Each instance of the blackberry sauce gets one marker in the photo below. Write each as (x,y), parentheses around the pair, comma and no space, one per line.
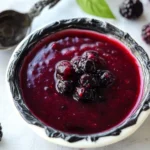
(61,112)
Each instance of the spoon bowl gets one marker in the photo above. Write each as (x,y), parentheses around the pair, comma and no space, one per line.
(14,26)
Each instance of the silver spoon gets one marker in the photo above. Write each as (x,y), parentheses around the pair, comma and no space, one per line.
(14,26)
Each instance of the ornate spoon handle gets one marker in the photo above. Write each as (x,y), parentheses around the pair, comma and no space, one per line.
(39,6)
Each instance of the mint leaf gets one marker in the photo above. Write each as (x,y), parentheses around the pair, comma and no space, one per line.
(96,7)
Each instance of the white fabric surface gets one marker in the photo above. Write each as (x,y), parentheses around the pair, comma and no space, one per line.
(17,135)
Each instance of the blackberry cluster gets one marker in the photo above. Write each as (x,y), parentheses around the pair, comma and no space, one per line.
(1,133)
(64,70)
(131,9)
(83,76)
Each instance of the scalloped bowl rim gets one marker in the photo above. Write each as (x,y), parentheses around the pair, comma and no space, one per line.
(102,141)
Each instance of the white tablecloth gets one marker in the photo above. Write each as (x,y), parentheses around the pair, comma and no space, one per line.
(17,135)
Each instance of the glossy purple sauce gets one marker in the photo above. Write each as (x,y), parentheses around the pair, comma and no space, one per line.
(62,112)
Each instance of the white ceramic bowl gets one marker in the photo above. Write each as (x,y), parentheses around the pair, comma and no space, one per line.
(120,132)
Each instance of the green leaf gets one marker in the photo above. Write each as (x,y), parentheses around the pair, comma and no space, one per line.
(96,7)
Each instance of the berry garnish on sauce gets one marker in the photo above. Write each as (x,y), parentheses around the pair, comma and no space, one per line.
(84,94)
(91,55)
(64,70)
(64,86)
(106,78)
(88,81)
(90,77)
(77,64)
(96,61)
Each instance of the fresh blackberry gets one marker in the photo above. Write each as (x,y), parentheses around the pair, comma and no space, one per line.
(64,86)
(103,79)
(1,133)
(88,66)
(131,9)
(76,63)
(88,63)
(106,78)
(64,70)
(88,81)
(84,95)
(146,33)
(92,55)
(81,65)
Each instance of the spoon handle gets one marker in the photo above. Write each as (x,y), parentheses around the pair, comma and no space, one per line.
(39,6)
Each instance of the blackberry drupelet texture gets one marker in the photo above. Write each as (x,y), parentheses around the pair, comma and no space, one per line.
(64,70)
(88,66)
(106,78)
(85,94)
(88,81)
(146,33)
(77,64)
(94,57)
(64,86)
(131,9)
